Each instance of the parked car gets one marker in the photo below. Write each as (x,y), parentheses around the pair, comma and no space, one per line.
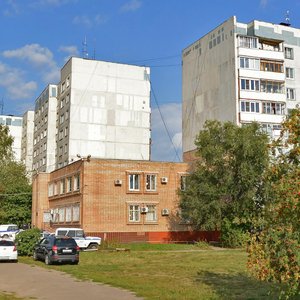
(9,231)
(60,249)
(8,251)
(84,242)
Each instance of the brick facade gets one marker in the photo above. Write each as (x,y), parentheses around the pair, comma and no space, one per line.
(119,200)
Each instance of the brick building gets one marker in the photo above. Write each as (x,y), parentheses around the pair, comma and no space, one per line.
(120,200)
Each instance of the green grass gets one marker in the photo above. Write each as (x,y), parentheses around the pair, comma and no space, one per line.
(11,296)
(171,272)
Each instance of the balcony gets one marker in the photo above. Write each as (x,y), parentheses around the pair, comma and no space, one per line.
(260,53)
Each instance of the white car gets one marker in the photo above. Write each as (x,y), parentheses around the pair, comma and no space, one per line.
(8,251)
(84,242)
(9,231)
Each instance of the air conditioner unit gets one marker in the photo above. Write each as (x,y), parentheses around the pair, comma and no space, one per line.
(144,209)
(164,179)
(165,212)
(118,182)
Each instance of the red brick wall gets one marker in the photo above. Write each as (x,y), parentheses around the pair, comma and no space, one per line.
(104,205)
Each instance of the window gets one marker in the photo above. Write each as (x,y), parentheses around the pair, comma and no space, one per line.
(61,119)
(249,106)
(182,183)
(53,91)
(288,53)
(273,108)
(66,131)
(77,182)
(50,190)
(76,213)
(290,94)
(55,188)
(271,66)
(63,86)
(67,98)
(151,215)
(134,182)
(247,42)
(134,213)
(268,86)
(249,63)
(61,214)
(69,184)
(151,182)
(250,84)
(61,134)
(289,73)
(62,103)
(62,186)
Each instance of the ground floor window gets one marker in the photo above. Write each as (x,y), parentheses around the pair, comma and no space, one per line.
(134,213)
(151,214)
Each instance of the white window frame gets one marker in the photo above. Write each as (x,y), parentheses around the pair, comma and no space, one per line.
(289,73)
(134,213)
(151,214)
(288,53)
(249,106)
(76,186)
(134,182)
(247,84)
(249,63)
(151,182)
(290,93)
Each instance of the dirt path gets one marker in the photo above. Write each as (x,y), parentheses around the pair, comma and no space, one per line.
(40,283)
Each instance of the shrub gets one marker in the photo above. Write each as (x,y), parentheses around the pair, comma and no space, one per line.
(233,236)
(26,241)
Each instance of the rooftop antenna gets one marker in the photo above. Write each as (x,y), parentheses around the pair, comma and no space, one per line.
(85,53)
(287,19)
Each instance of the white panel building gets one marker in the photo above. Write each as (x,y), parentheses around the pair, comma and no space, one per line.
(103,110)
(241,73)
(14,125)
(44,137)
(27,141)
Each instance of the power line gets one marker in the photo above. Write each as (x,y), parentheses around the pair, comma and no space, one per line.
(156,58)
(162,118)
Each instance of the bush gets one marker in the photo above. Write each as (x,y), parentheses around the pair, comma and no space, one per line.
(26,241)
(233,236)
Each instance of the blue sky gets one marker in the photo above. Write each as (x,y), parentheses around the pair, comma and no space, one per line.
(38,36)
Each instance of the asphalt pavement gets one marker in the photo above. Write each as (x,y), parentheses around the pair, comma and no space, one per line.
(40,283)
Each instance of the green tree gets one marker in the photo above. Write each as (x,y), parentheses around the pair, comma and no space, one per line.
(274,253)
(6,142)
(228,179)
(15,190)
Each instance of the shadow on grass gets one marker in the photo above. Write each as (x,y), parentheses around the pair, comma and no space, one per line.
(237,286)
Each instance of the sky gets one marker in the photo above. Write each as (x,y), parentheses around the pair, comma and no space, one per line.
(38,37)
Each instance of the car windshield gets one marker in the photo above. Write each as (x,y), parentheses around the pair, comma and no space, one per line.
(6,243)
(65,243)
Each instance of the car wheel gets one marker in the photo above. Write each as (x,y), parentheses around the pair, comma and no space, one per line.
(34,256)
(47,260)
(93,246)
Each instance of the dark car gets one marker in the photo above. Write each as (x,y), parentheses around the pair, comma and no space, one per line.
(58,249)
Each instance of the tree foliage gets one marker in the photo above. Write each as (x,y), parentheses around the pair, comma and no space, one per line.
(274,253)
(26,240)
(15,190)
(6,142)
(228,180)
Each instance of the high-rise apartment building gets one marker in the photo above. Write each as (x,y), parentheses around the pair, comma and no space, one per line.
(14,125)
(44,137)
(103,110)
(241,73)
(27,140)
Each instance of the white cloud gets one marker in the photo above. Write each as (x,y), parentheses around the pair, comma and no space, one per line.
(83,20)
(70,51)
(39,57)
(130,6)
(56,3)
(13,81)
(263,3)
(162,148)
(89,21)
(10,8)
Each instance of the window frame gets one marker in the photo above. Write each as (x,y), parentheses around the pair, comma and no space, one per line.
(134,182)
(151,182)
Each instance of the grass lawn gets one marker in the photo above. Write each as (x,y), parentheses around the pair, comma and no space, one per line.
(171,272)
